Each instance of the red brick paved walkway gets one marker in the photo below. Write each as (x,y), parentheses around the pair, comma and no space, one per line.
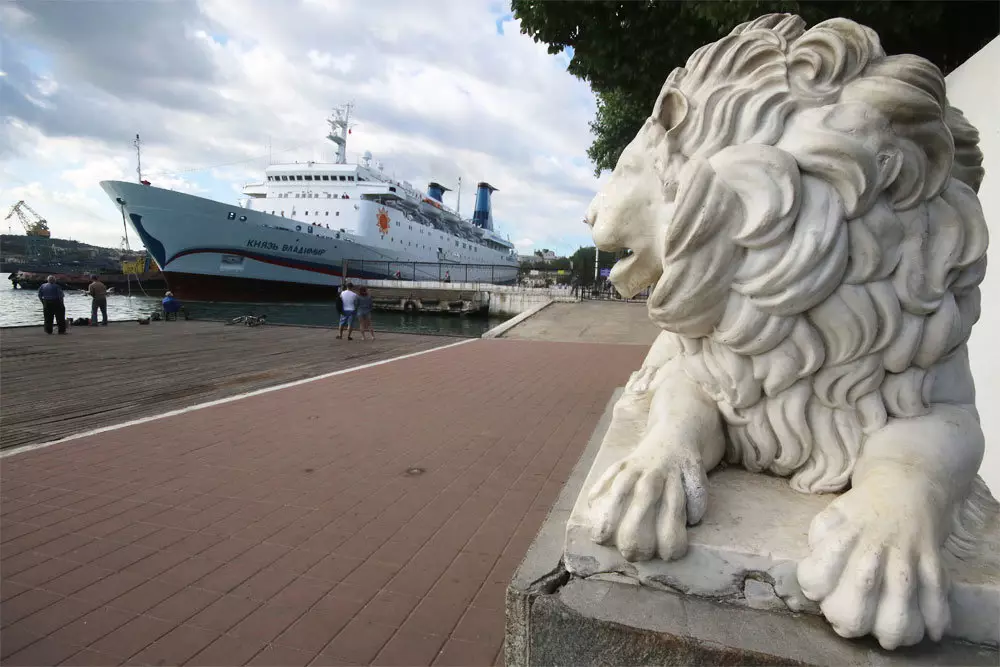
(284,529)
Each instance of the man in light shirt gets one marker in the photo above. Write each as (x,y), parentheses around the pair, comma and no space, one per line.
(350,300)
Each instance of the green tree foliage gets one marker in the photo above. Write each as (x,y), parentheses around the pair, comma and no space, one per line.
(583,263)
(625,50)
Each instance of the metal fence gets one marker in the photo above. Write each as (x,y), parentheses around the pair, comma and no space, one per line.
(606,292)
(495,274)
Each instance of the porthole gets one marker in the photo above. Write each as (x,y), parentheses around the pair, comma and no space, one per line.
(231,216)
(243,218)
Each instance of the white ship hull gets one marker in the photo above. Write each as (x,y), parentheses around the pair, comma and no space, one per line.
(213,251)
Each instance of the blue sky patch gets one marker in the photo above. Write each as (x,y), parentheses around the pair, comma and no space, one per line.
(504,19)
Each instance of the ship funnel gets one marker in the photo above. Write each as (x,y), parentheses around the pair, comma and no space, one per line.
(483,215)
(436,191)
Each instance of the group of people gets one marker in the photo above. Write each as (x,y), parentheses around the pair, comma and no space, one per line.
(54,307)
(355,308)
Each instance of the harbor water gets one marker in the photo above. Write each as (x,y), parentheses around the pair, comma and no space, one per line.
(21,307)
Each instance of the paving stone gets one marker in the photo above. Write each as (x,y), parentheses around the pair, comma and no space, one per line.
(220,533)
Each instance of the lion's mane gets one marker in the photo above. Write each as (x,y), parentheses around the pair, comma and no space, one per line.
(826,244)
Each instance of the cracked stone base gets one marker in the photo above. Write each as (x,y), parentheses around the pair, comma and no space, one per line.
(561,617)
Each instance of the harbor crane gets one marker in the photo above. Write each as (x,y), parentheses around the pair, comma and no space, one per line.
(35,226)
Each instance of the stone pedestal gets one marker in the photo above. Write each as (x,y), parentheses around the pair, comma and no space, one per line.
(732,600)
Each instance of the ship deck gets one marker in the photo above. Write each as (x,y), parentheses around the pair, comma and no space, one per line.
(54,386)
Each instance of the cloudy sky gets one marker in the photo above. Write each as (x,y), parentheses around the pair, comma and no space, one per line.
(443,88)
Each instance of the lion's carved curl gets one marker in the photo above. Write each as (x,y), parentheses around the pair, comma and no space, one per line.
(822,243)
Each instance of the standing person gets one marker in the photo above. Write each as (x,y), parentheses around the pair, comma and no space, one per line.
(350,301)
(338,302)
(51,296)
(98,292)
(365,303)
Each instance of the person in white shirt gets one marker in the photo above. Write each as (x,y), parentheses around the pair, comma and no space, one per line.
(347,317)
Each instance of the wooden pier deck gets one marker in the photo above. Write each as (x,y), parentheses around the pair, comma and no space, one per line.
(55,386)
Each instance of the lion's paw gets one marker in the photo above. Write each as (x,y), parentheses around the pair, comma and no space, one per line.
(875,567)
(642,504)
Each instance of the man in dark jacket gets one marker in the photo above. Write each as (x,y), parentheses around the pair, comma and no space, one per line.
(51,296)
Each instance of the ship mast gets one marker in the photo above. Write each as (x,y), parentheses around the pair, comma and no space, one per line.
(138,157)
(340,127)
(458,205)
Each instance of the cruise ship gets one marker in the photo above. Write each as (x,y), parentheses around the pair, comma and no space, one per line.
(309,226)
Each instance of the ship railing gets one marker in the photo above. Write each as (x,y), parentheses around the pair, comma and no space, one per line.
(492,274)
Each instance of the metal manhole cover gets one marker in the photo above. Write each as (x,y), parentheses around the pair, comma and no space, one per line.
(415,471)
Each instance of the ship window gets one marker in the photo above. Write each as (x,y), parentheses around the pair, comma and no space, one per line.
(328,195)
(397,223)
(337,213)
(296,195)
(350,178)
(298,228)
(231,216)
(298,178)
(343,178)
(325,177)
(243,218)
(306,213)
(326,213)
(309,178)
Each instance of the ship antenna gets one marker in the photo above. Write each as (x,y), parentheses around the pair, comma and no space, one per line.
(339,122)
(458,206)
(138,157)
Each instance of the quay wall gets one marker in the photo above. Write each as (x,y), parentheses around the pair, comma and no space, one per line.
(497,299)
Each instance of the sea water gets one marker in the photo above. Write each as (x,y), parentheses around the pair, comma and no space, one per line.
(19,307)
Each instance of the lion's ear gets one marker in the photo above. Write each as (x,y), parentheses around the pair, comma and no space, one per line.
(671,108)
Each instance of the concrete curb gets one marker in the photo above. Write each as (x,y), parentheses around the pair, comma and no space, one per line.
(501,329)
(541,569)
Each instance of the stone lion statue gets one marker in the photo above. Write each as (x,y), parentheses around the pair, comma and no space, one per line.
(804,209)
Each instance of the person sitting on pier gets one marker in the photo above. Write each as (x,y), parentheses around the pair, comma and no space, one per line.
(347,316)
(365,304)
(51,296)
(172,306)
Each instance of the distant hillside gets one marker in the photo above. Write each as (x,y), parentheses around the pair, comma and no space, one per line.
(16,244)
(63,254)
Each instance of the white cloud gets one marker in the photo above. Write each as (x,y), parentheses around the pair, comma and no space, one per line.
(209,84)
